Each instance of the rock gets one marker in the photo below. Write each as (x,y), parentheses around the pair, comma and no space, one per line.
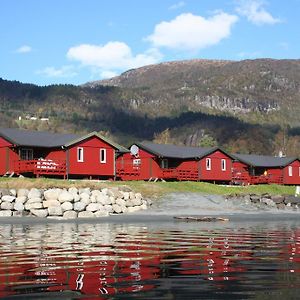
(51,203)
(67,206)
(289,199)
(103,199)
(79,206)
(5,213)
(86,214)
(35,205)
(22,193)
(41,213)
(19,206)
(5,192)
(101,214)
(129,203)
(117,208)
(104,191)
(126,195)
(112,200)
(137,201)
(8,198)
(268,202)
(21,199)
(73,191)
(120,202)
(255,198)
(85,191)
(115,193)
(70,214)
(13,192)
(34,193)
(131,195)
(108,208)
(278,199)
(93,207)
(133,209)
(65,196)
(34,200)
(20,213)
(280,206)
(52,194)
(124,209)
(84,196)
(6,205)
(55,211)
(76,198)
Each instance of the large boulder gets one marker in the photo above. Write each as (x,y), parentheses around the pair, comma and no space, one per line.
(55,211)
(93,207)
(21,199)
(51,203)
(8,198)
(34,200)
(86,214)
(5,213)
(34,193)
(65,196)
(79,206)
(70,214)
(22,193)
(19,206)
(6,205)
(41,213)
(67,206)
(35,205)
(52,194)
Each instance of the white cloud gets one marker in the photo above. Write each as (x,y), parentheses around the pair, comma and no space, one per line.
(24,49)
(191,32)
(63,72)
(255,12)
(177,5)
(112,57)
(249,55)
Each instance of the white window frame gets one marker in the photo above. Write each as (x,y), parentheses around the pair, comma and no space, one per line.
(102,154)
(223,164)
(290,171)
(80,154)
(208,164)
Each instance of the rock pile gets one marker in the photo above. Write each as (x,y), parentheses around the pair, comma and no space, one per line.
(266,200)
(70,203)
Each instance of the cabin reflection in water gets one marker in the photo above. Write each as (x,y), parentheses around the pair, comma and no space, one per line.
(98,260)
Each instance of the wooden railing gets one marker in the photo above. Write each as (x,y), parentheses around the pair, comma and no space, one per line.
(41,167)
(188,174)
(169,173)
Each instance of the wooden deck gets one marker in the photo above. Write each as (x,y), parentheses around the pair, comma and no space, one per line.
(40,167)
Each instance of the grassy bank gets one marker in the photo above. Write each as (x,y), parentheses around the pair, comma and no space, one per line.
(149,189)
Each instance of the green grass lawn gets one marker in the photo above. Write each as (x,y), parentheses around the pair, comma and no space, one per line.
(149,189)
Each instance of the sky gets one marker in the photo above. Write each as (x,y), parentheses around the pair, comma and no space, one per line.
(76,41)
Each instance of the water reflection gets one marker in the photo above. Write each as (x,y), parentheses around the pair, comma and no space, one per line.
(165,261)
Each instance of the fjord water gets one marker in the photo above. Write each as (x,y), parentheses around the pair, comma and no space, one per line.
(256,255)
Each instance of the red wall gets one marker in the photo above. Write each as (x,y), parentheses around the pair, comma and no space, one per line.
(91,164)
(216,173)
(295,178)
(7,157)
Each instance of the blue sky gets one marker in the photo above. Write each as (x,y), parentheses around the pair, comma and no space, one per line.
(76,41)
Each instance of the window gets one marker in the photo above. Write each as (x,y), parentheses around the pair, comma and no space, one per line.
(26,154)
(290,171)
(208,164)
(299,171)
(80,154)
(164,164)
(102,156)
(223,164)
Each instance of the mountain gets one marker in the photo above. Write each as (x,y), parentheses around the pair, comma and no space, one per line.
(249,106)
(261,90)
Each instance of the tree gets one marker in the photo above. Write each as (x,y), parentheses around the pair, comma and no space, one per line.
(207,141)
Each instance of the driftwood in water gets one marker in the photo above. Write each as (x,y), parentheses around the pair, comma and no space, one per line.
(201,219)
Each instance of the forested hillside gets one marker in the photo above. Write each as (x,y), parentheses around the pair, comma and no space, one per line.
(247,106)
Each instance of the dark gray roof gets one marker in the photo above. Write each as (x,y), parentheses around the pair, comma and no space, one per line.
(31,138)
(172,151)
(44,139)
(263,160)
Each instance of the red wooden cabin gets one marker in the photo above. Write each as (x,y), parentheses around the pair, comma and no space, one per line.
(256,169)
(149,161)
(67,155)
